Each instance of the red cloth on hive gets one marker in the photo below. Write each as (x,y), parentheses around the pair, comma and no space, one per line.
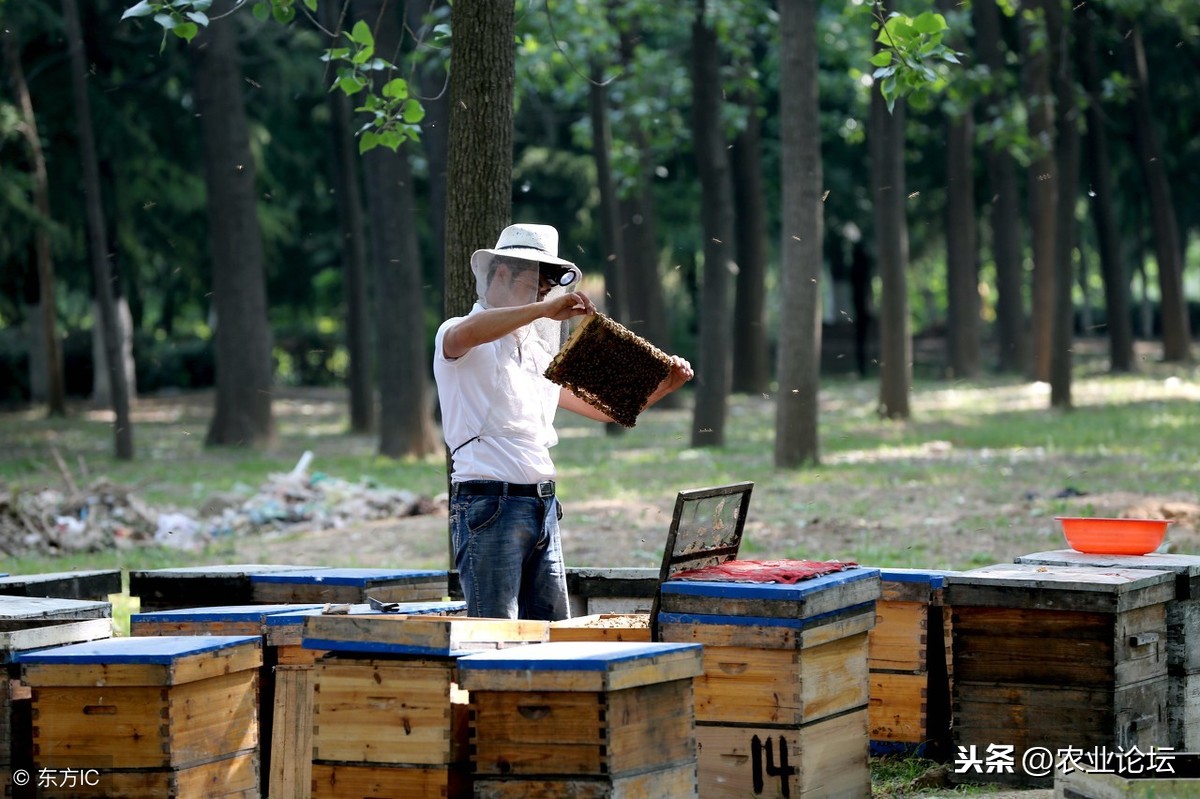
(765,571)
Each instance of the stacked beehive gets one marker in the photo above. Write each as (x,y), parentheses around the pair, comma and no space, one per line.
(1183,630)
(197,586)
(27,624)
(156,718)
(388,717)
(602,720)
(782,704)
(1058,658)
(350,585)
(909,654)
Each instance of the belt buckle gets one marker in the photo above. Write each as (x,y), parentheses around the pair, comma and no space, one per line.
(545,489)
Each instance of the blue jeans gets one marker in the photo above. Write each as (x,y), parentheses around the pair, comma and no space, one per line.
(508,556)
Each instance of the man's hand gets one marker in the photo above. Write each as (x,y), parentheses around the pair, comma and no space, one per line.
(568,306)
(681,372)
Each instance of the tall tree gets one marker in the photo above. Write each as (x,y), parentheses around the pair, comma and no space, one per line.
(479,182)
(97,236)
(798,361)
(1043,180)
(1118,319)
(1012,340)
(1168,253)
(347,186)
(1066,156)
(712,164)
(406,421)
(56,397)
(243,414)
(751,370)
(887,142)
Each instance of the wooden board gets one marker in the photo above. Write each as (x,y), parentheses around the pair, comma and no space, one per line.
(290,762)
(579,666)
(97,584)
(672,782)
(766,632)
(1185,567)
(1051,647)
(131,727)
(804,600)
(51,633)
(898,707)
(1183,712)
(825,760)
(17,613)
(555,733)
(218,620)
(287,629)
(164,661)
(234,777)
(349,585)
(1024,585)
(420,636)
(630,589)
(764,687)
(899,641)
(384,711)
(195,586)
(913,585)
(349,781)
(634,627)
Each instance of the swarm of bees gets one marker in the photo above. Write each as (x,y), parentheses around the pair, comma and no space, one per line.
(610,367)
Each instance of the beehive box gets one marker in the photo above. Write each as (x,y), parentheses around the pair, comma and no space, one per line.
(603,627)
(908,662)
(1058,657)
(155,711)
(196,586)
(290,761)
(387,711)
(618,590)
(583,719)
(349,586)
(1183,630)
(1174,775)
(96,584)
(782,705)
(27,624)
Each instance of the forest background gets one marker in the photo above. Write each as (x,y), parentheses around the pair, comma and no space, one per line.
(729,175)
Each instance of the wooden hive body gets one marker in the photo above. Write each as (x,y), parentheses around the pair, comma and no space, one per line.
(610,368)
(195,586)
(1058,657)
(782,706)
(583,718)
(387,714)
(155,711)
(909,665)
(350,585)
(1183,630)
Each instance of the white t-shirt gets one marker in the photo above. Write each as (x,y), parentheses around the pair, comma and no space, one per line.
(497,391)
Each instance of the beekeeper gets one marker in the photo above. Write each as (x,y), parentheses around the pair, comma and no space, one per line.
(498,422)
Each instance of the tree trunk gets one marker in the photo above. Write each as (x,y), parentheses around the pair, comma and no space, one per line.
(1067,158)
(886,139)
(798,361)
(435,130)
(1012,340)
(405,398)
(716,192)
(243,336)
(1112,267)
(344,165)
(962,246)
(1176,335)
(479,188)
(1043,183)
(751,371)
(56,396)
(102,392)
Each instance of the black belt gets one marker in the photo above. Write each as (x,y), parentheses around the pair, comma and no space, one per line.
(496,488)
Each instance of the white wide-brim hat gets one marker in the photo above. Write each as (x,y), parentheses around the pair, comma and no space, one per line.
(538,243)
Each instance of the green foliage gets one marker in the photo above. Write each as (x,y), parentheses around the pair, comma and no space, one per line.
(394,116)
(912,57)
